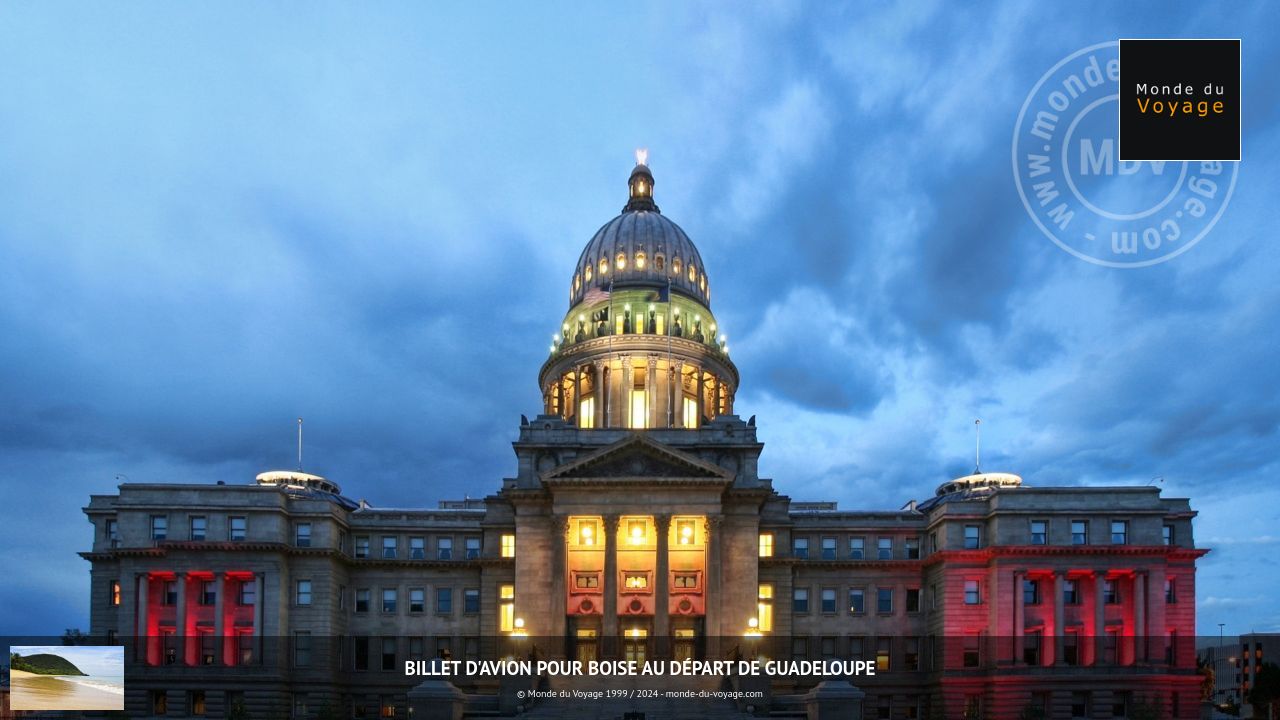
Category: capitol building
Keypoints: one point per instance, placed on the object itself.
(636, 526)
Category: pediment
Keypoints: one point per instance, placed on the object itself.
(639, 458)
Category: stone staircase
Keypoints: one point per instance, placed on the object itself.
(614, 708)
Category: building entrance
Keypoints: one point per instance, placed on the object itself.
(586, 645)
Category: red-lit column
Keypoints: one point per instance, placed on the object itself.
(609, 622)
(219, 639)
(1140, 616)
(1099, 617)
(180, 619)
(1019, 616)
(1059, 620)
(258, 601)
(661, 590)
(142, 627)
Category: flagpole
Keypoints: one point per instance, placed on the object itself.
(670, 368)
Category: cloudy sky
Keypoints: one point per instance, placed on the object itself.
(216, 219)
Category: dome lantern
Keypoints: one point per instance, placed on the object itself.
(640, 185)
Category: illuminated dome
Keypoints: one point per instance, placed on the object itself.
(640, 246)
(639, 347)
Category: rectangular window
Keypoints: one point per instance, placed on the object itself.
(1167, 534)
(1171, 648)
(828, 600)
(972, 537)
(1119, 532)
(389, 598)
(857, 601)
(766, 544)
(388, 658)
(198, 527)
(764, 606)
(159, 702)
(301, 649)
(1079, 705)
(472, 548)
(1071, 648)
(827, 647)
(444, 548)
(1070, 593)
(1110, 645)
(417, 548)
(799, 647)
(1110, 594)
(828, 548)
(911, 654)
(690, 413)
(857, 548)
(800, 548)
(159, 527)
(113, 532)
(882, 654)
(208, 592)
(933, 542)
(390, 545)
(362, 546)
(884, 548)
(586, 580)
(1039, 532)
(196, 704)
(1031, 648)
(686, 581)
(587, 413)
(884, 600)
(1030, 591)
(972, 650)
(1119, 704)
(471, 601)
(444, 601)
(417, 600)
(361, 653)
(113, 592)
(303, 594)
(635, 581)
(506, 608)
(248, 592)
(884, 707)
(170, 593)
(800, 600)
(913, 600)
(972, 594)
(303, 536)
(362, 600)
(508, 546)
(1170, 591)
(913, 548)
(1079, 532)
(855, 648)
(237, 528)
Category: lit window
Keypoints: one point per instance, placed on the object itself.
(586, 581)
(675, 266)
(506, 608)
(604, 266)
(588, 273)
(685, 532)
(635, 581)
(882, 655)
(637, 533)
(690, 413)
(587, 413)
(766, 544)
(765, 607)
(640, 259)
(115, 592)
(586, 532)
(639, 408)
(508, 546)
(703, 283)
(686, 581)
(622, 261)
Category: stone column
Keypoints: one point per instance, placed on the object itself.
(1059, 635)
(219, 640)
(559, 396)
(626, 380)
(577, 395)
(180, 623)
(259, 600)
(1099, 616)
(141, 628)
(702, 395)
(1019, 616)
(651, 392)
(677, 395)
(609, 622)
(714, 589)
(1157, 629)
(559, 569)
(1142, 641)
(662, 588)
(600, 392)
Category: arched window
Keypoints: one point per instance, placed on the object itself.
(703, 282)
(693, 273)
(659, 262)
(604, 266)
(675, 266)
(640, 259)
(622, 261)
(587, 272)
(577, 282)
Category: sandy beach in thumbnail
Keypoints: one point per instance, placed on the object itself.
(53, 692)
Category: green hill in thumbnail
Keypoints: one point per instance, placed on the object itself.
(43, 664)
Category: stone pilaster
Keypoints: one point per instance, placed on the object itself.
(609, 623)
(662, 579)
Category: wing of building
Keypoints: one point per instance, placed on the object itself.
(637, 526)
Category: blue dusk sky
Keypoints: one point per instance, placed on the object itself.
(215, 218)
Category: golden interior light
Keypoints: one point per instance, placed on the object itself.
(637, 532)
(686, 533)
(587, 534)
(639, 261)
(753, 623)
(622, 261)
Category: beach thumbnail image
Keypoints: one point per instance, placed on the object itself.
(57, 677)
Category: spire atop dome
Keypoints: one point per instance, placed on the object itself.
(640, 185)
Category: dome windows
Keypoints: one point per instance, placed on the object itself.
(587, 272)
(640, 260)
(622, 261)
(659, 262)
(604, 267)
(675, 266)
(693, 273)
